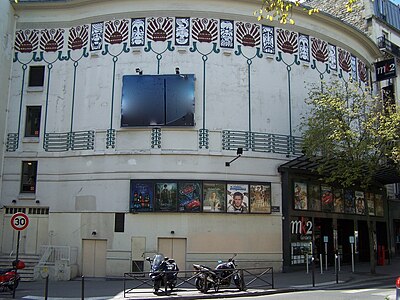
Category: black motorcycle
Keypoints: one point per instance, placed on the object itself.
(163, 272)
(222, 276)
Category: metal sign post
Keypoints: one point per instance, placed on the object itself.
(326, 251)
(351, 240)
(19, 221)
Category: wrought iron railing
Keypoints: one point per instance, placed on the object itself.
(78, 140)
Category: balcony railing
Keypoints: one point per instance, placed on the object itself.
(392, 48)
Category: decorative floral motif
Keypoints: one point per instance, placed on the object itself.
(26, 40)
(319, 50)
(248, 34)
(137, 32)
(354, 67)
(51, 40)
(304, 47)
(78, 37)
(287, 41)
(362, 71)
(226, 34)
(205, 30)
(268, 39)
(160, 29)
(116, 31)
(96, 36)
(344, 60)
(182, 31)
(332, 57)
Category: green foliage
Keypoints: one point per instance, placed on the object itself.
(351, 133)
(281, 10)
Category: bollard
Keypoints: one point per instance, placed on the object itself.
(307, 262)
(398, 288)
(336, 268)
(46, 287)
(83, 288)
(320, 263)
(313, 271)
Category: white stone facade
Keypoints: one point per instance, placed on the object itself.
(237, 90)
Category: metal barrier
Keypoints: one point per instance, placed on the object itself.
(254, 278)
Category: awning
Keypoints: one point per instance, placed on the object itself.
(305, 165)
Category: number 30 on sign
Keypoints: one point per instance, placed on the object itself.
(19, 221)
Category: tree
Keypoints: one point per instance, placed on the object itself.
(351, 135)
(281, 10)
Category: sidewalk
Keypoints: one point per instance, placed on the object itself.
(99, 289)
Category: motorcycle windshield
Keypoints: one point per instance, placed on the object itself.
(157, 261)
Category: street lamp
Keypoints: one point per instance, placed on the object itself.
(239, 153)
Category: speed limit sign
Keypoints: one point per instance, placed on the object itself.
(19, 221)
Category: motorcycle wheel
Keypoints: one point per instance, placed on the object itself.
(199, 283)
(239, 282)
(156, 286)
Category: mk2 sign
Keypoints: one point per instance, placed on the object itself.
(385, 69)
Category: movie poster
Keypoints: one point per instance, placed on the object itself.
(166, 196)
(314, 197)
(326, 198)
(338, 204)
(360, 202)
(300, 195)
(141, 196)
(260, 198)
(214, 197)
(371, 203)
(349, 206)
(189, 196)
(237, 198)
(379, 205)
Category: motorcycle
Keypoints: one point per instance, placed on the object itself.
(9, 278)
(221, 276)
(163, 272)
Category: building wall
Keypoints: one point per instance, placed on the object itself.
(241, 90)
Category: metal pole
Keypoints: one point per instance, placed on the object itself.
(326, 256)
(313, 271)
(339, 260)
(336, 268)
(16, 261)
(83, 288)
(46, 287)
(321, 263)
(352, 257)
(307, 262)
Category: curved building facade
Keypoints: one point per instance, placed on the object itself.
(134, 127)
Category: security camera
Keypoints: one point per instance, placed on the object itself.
(94, 232)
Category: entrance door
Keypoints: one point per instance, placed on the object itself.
(138, 247)
(174, 248)
(94, 258)
(345, 230)
(363, 241)
(31, 238)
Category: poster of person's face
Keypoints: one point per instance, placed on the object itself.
(237, 196)
(214, 197)
(349, 206)
(338, 203)
(189, 196)
(379, 205)
(314, 197)
(326, 198)
(165, 199)
(260, 198)
(300, 195)
(359, 202)
(371, 203)
(142, 197)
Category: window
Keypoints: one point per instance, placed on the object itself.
(36, 76)
(32, 121)
(28, 178)
(119, 225)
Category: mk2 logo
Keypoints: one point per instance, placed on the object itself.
(301, 226)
